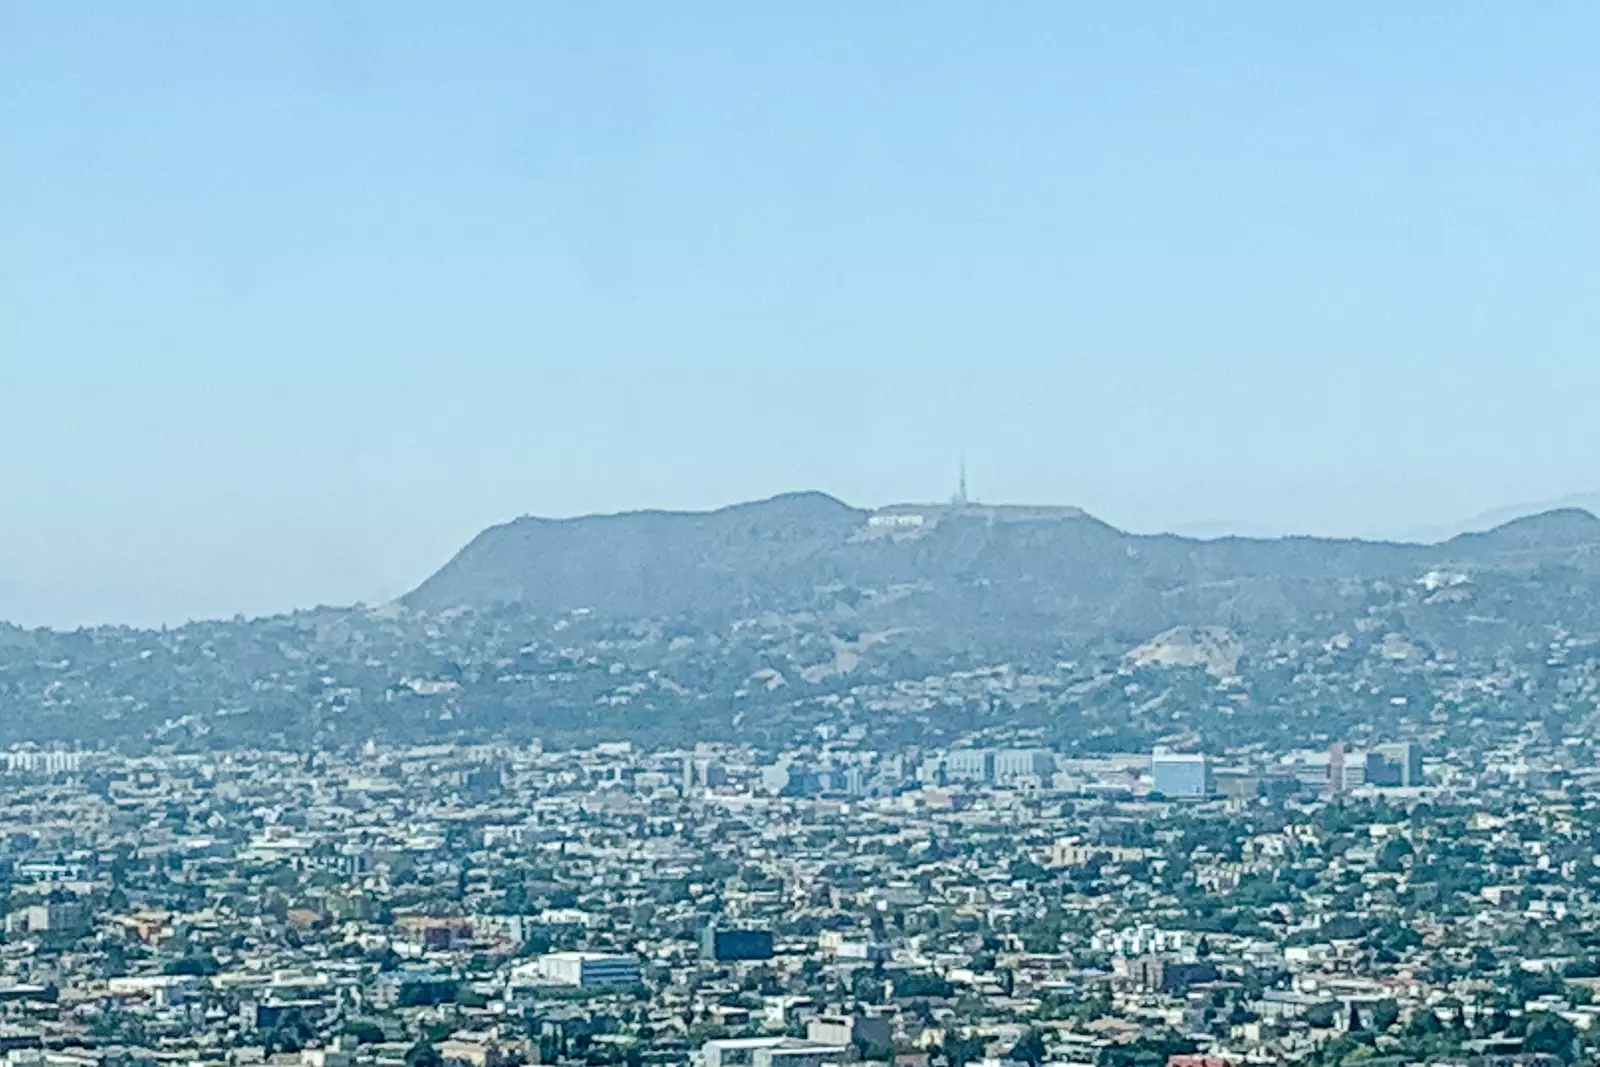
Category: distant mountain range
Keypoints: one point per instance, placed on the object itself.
(798, 617)
(1428, 534)
(990, 576)
(1488, 520)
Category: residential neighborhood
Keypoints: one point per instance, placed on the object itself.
(718, 906)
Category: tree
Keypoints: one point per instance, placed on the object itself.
(1030, 1049)
(1150, 1050)
(917, 984)
(1029, 871)
(867, 986)
(1551, 1034)
(1043, 937)
(1423, 1024)
(423, 1054)
(288, 1036)
(364, 1032)
(1321, 1015)
(201, 965)
(961, 1051)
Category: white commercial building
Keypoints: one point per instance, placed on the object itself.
(1020, 765)
(25, 761)
(586, 969)
(1181, 774)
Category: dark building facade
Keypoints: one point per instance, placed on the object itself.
(718, 944)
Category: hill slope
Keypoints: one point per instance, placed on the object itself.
(644, 562)
(957, 576)
(798, 617)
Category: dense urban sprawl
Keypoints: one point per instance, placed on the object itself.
(489, 906)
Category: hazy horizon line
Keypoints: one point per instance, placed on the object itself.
(1198, 530)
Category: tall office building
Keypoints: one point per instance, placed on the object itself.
(1181, 774)
(1401, 762)
(702, 774)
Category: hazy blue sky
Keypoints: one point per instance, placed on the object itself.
(296, 297)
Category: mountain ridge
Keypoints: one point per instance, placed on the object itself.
(1578, 527)
(1502, 516)
(792, 618)
(963, 572)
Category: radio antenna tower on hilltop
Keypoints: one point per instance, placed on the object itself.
(961, 499)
